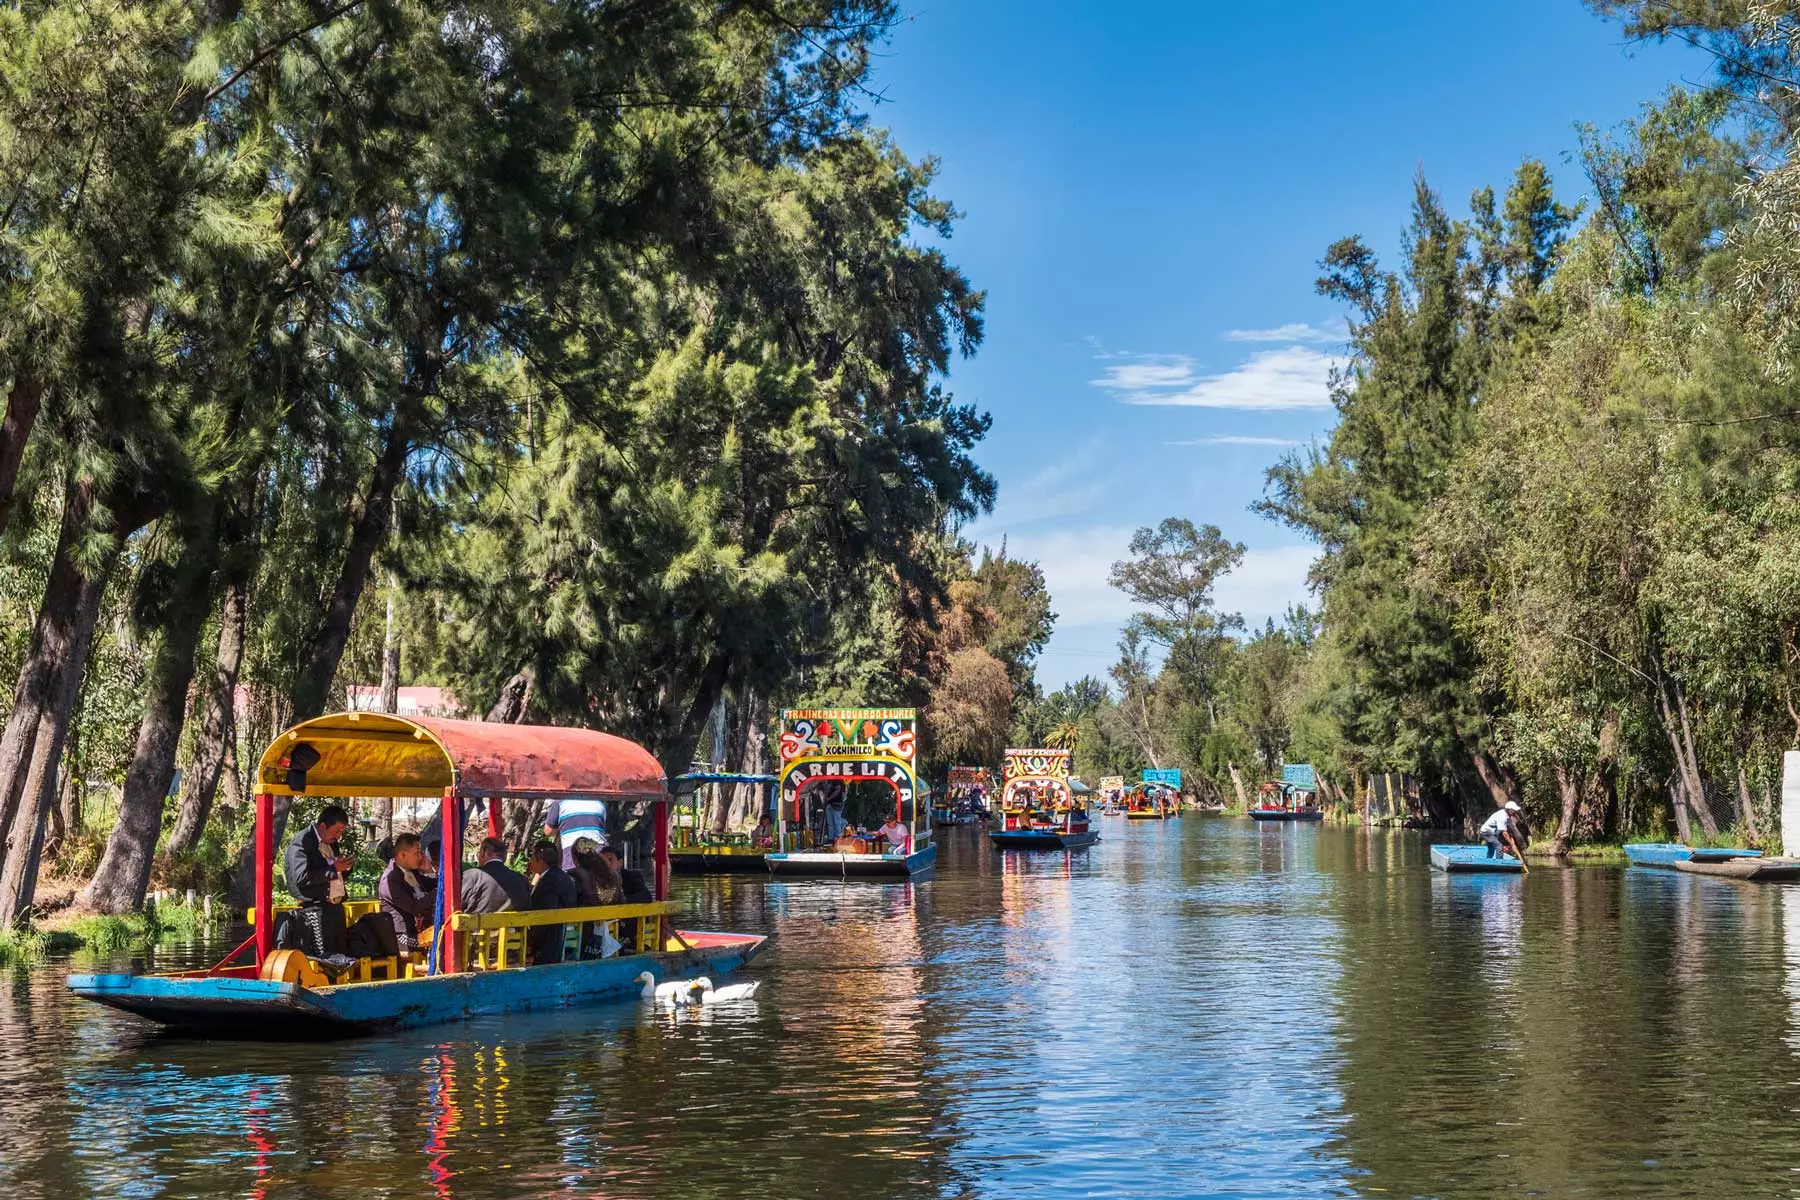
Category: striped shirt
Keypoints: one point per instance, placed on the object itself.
(574, 820)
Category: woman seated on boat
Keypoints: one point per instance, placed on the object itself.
(408, 892)
(553, 889)
(897, 835)
(596, 883)
(764, 834)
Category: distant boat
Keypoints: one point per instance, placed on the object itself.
(1287, 814)
(1724, 862)
(1473, 859)
(1669, 854)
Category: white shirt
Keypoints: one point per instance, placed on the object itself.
(896, 834)
(1496, 822)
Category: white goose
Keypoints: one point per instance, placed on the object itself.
(703, 988)
(668, 995)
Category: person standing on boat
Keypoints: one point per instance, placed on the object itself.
(568, 821)
(315, 875)
(408, 891)
(834, 823)
(552, 890)
(315, 869)
(1496, 831)
(492, 886)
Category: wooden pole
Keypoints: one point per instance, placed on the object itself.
(660, 823)
(450, 869)
(493, 807)
(264, 838)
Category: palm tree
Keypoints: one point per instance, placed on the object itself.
(1064, 736)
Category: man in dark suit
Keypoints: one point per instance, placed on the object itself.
(315, 875)
(490, 886)
(553, 889)
(408, 892)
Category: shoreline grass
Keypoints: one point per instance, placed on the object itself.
(32, 944)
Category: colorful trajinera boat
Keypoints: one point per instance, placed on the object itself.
(696, 850)
(1152, 800)
(1038, 811)
(1473, 860)
(1112, 795)
(833, 747)
(1279, 800)
(1725, 862)
(965, 798)
(476, 965)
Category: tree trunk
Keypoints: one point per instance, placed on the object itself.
(1747, 808)
(326, 646)
(56, 653)
(1571, 810)
(515, 696)
(65, 815)
(753, 738)
(1684, 833)
(1237, 785)
(390, 694)
(62, 642)
(123, 875)
(1691, 765)
(1499, 787)
(22, 404)
(218, 725)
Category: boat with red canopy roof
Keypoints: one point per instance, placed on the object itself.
(477, 963)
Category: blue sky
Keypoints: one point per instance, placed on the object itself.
(1147, 189)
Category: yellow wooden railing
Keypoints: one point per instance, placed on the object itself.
(497, 940)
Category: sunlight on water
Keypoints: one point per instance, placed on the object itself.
(1192, 1008)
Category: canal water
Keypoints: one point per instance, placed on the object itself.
(1201, 1007)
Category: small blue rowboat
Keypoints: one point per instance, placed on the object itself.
(1473, 858)
(1667, 854)
(1042, 839)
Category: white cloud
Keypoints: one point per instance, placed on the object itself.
(1293, 377)
(1296, 331)
(1235, 439)
(1148, 371)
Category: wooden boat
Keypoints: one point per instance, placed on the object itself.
(1043, 839)
(1287, 814)
(1672, 854)
(965, 798)
(841, 746)
(1281, 800)
(1474, 860)
(477, 966)
(1152, 800)
(696, 851)
(1038, 810)
(854, 864)
(1752, 869)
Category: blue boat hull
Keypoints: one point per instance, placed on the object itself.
(1042, 839)
(827, 864)
(267, 1010)
(1668, 854)
(1473, 859)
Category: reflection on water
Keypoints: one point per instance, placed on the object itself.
(1193, 1007)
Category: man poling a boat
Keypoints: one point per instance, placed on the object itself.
(1497, 832)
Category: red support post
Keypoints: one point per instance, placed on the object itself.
(450, 867)
(661, 825)
(264, 838)
(493, 807)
